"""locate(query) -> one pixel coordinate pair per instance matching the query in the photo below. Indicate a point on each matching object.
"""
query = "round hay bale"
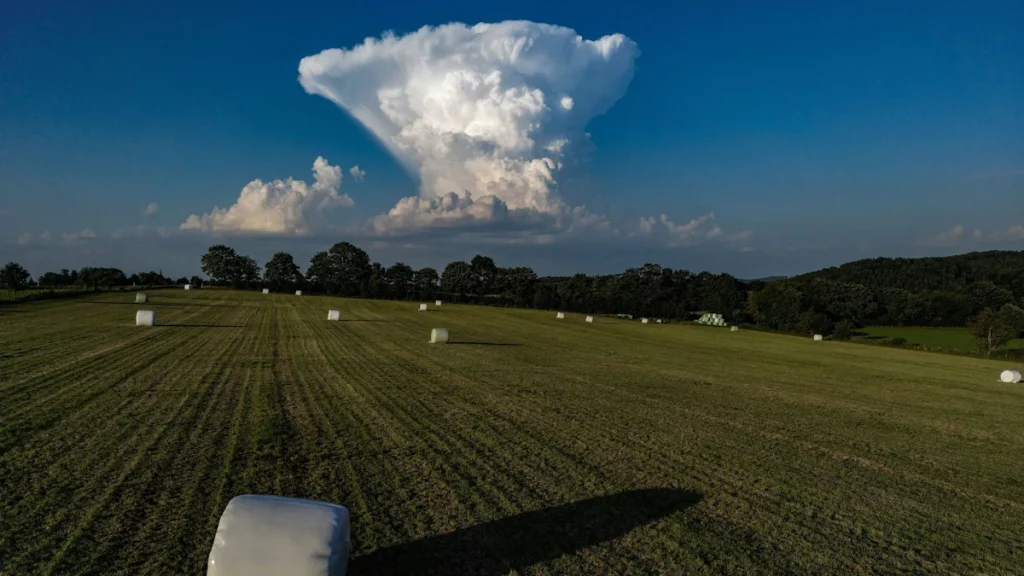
(734, 329)
(1010, 376)
(437, 302)
(145, 318)
(560, 315)
(334, 315)
(644, 321)
(818, 337)
(298, 292)
(266, 290)
(141, 298)
(259, 535)
(439, 336)
(423, 307)
(188, 286)
(590, 319)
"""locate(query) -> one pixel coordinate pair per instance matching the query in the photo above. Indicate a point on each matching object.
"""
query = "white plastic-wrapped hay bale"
(298, 292)
(560, 316)
(590, 319)
(423, 307)
(439, 336)
(437, 302)
(658, 320)
(734, 329)
(818, 337)
(266, 290)
(1010, 376)
(270, 535)
(141, 298)
(188, 286)
(334, 315)
(145, 318)
(643, 321)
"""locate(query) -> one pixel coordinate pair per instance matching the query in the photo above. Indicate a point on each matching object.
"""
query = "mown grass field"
(945, 339)
(532, 446)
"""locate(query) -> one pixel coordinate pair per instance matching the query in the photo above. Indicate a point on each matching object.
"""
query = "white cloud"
(151, 209)
(483, 115)
(950, 237)
(76, 236)
(278, 207)
(697, 230)
(1011, 233)
(357, 174)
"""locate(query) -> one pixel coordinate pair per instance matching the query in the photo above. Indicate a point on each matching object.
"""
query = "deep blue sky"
(831, 132)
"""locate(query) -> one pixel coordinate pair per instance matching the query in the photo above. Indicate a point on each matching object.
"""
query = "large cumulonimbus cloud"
(278, 207)
(483, 115)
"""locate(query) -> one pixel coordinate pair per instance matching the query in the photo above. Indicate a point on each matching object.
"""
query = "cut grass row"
(121, 446)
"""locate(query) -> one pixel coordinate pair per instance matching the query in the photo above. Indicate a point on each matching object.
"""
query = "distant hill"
(949, 273)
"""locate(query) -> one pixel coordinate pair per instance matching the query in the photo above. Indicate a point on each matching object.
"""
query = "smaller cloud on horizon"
(701, 228)
(356, 173)
(151, 209)
(958, 236)
(283, 207)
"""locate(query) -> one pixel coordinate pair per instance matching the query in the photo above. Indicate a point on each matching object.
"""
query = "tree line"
(983, 291)
(16, 278)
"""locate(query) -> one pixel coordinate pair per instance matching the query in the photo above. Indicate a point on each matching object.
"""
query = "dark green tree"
(458, 279)
(993, 330)
(400, 279)
(282, 273)
(484, 275)
(14, 277)
(426, 282)
(221, 264)
(344, 269)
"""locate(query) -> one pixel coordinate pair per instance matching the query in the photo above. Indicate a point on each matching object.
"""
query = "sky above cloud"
(750, 139)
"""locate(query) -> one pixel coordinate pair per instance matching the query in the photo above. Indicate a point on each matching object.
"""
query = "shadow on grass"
(173, 304)
(518, 542)
(359, 320)
(204, 325)
(485, 343)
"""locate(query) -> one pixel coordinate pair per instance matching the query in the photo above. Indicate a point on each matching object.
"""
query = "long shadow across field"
(485, 343)
(204, 325)
(518, 542)
(171, 304)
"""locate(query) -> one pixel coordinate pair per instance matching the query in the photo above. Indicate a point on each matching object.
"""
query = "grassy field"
(948, 339)
(531, 446)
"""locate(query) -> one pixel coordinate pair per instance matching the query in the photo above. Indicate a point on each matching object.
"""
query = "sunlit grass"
(530, 444)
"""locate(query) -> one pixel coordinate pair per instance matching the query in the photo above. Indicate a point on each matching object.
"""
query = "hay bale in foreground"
(590, 319)
(266, 290)
(298, 292)
(145, 318)
(734, 329)
(439, 336)
(334, 315)
(818, 337)
(141, 298)
(268, 535)
(560, 315)
(423, 307)
(643, 321)
(1010, 376)
(437, 302)
(188, 286)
